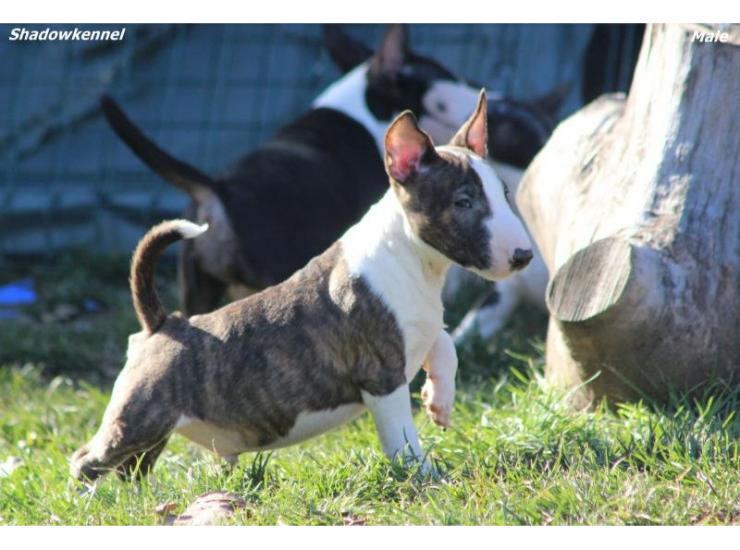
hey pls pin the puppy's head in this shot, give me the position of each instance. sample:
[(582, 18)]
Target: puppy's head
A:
[(452, 198), (398, 79)]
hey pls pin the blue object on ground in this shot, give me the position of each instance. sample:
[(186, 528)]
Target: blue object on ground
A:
[(91, 306), (18, 293)]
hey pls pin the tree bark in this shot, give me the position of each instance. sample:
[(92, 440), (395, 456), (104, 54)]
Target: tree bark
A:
[(634, 205)]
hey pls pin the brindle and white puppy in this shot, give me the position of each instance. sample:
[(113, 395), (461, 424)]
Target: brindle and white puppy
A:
[(346, 333)]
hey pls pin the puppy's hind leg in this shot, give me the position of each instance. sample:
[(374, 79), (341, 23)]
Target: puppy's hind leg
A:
[(119, 447), (139, 465), (132, 424)]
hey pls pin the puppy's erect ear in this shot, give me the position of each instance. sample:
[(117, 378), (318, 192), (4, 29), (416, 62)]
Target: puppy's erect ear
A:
[(473, 134), (345, 51), (391, 54), (407, 148)]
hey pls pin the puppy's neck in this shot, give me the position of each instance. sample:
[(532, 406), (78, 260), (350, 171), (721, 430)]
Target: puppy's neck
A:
[(404, 271)]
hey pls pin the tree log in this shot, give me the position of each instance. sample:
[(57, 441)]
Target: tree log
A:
[(633, 204)]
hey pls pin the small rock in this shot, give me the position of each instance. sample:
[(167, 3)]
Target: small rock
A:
[(350, 520), (210, 509)]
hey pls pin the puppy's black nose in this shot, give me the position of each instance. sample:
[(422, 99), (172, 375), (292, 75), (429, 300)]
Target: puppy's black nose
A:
[(521, 258)]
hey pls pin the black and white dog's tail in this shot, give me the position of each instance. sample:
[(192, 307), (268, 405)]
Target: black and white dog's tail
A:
[(148, 306), (182, 175)]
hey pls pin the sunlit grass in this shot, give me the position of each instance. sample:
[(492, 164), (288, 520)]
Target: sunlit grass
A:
[(515, 454)]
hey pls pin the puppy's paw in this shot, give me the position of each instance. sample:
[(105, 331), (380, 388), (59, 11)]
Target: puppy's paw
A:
[(423, 467), (77, 461), (428, 470), (438, 400), (83, 467)]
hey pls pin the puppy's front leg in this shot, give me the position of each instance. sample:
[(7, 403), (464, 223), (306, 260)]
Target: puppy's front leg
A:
[(395, 425), (438, 393)]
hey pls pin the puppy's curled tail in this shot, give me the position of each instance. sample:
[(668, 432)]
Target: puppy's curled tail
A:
[(149, 309)]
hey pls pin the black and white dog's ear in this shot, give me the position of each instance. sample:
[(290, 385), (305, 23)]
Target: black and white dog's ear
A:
[(345, 51), (473, 134), (407, 148), (391, 54)]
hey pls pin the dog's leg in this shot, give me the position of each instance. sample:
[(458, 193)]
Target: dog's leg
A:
[(131, 424), (438, 393), (141, 464), (395, 424), (113, 449)]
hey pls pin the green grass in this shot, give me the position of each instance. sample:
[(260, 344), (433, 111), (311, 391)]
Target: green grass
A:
[(516, 454)]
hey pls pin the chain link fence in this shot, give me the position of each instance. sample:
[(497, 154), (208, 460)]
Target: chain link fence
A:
[(207, 94)]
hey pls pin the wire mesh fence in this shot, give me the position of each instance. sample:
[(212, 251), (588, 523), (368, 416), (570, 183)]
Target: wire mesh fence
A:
[(207, 94)]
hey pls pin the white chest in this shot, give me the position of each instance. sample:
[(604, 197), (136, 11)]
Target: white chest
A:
[(382, 250)]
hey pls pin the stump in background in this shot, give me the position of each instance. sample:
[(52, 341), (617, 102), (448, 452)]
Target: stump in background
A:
[(634, 205)]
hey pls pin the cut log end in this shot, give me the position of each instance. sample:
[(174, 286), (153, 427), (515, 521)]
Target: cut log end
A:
[(591, 281)]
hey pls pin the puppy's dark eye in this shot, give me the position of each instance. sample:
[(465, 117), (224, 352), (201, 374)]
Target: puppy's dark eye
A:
[(441, 107), (463, 203)]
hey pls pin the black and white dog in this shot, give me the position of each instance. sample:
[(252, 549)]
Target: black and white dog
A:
[(290, 198)]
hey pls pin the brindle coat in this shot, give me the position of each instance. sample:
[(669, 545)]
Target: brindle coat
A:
[(311, 343)]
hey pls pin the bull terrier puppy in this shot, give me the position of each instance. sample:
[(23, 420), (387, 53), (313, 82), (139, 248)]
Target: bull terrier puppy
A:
[(345, 334)]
